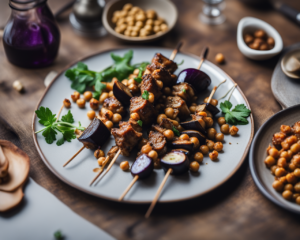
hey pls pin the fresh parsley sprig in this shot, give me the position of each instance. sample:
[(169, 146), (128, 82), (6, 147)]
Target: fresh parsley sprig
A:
[(176, 132), (140, 122), (145, 95), (142, 68), (52, 126), (236, 116)]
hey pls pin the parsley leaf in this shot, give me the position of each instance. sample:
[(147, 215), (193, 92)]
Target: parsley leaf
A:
[(178, 64), (184, 90), (142, 67), (58, 235), (145, 95), (237, 116), (176, 132), (52, 127), (140, 122)]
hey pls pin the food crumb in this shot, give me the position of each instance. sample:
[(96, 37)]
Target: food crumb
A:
[(230, 143), (205, 163)]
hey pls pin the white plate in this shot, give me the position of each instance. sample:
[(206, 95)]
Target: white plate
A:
[(79, 172)]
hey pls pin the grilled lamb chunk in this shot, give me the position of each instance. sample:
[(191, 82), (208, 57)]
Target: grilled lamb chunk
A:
[(178, 103), (144, 108), (114, 105), (184, 90), (157, 128), (133, 123), (162, 74), (167, 124), (162, 61), (126, 138), (158, 142), (149, 84)]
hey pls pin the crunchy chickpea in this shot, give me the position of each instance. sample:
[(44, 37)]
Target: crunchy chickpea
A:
[(103, 97), (204, 149), (210, 144), (211, 133), (127, 6), (279, 172), (143, 142), (292, 167), (254, 46), (109, 125), (283, 180), (184, 137), (160, 84), (192, 109), (124, 165), (17, 85), (220, 58), (169, 134), (225, 128), (91, 114), (116, 118), (99, 153), (287, 194), (163, 27), (146, 149), (271, 41), (219, 137), (233, 130), (218, 146), (156, 29), (273, 152), (101, 161), (125, 82), (259, 34), (291, 140), (282, 163), (295, 148), (169, 112), (273, 169), (209, 122), (67, 103), (291, 178), (151, 14), (270, 161), (133, 88), (297, 187), (278, 186), (75, 96), (198, 156), (248, 38), (87, 95), (111, 94), (284, 154), (297, 200), (135, 116), (161, 117), (151, 97), (221, 121), (297, 172), (196, 142), (204, 114), (289, 187), (153, 154), (80, 103), (213, 155), (167, 91), (194, 166), (94, 104)]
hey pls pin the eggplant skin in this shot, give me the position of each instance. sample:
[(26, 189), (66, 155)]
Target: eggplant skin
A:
[(197, 134), (178, 168), (214, 110), (95, 135), (193, 125), (184, 144), (122, 93), (147, 169)]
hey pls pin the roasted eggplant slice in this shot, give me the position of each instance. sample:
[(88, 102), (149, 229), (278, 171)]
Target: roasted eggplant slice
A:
[(184, 144), (193, 125), (122, 93), (95, 135), (209, 107), (143, 166), (177, 160), (197, 134)]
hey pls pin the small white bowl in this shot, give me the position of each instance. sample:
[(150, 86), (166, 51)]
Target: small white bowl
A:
[(250, 24)]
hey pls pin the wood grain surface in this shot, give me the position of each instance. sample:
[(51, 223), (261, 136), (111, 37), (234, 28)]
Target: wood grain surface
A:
[(236, 210)]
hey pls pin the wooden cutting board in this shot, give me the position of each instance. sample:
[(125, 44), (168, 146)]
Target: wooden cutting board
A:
[(286, 90)]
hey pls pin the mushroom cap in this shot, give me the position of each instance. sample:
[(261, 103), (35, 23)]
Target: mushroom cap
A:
[(19, 164), (10, 199)]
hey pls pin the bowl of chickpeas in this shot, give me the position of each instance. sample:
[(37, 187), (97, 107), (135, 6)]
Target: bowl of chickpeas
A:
[(257, 39), (274, 159), (139, 21)]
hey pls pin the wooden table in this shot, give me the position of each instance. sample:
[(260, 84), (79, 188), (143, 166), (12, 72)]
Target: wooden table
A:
[(236, 210)]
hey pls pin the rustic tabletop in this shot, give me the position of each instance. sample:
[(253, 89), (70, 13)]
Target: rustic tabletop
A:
[(236, 210)]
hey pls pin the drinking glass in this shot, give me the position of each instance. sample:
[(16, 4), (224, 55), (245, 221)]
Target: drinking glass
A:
[(212, 12)]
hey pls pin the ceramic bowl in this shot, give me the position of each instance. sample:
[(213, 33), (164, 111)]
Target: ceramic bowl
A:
[(165, 9), (261, 174), (250, 24), (284, 60)]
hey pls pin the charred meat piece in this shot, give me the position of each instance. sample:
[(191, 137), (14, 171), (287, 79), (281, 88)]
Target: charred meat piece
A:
[(144, 108), (167, 124), (157, 128), (158, 142), (133, 123), (277, 139), (184, 90), (114, 105), (178, 103), (149, 84), (126, 138), (162, 61), (162, 74), (95, 135)]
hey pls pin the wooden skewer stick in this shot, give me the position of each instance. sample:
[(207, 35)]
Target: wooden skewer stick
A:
[(79, 151), (203, 57), (59, 112), (175, 51), (101, 170), (129, 187), (213, 91), (158, 193)]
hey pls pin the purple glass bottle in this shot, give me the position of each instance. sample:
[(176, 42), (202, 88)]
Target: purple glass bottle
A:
[(31, 37)]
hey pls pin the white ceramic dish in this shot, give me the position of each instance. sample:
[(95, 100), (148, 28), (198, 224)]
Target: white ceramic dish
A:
[(79, 172), (250, 24)]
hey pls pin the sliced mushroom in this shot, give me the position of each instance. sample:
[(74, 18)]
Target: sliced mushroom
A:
[(3, 164), (10, 199), (19, 164)]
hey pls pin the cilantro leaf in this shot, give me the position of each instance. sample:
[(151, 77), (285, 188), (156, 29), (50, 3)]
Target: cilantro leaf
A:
[(237, 115), (184, 90), (140, 122), (142, 67), (58, 235), (176, 132), (82, 66), (145, 95), (68, 117), (45, 115)]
